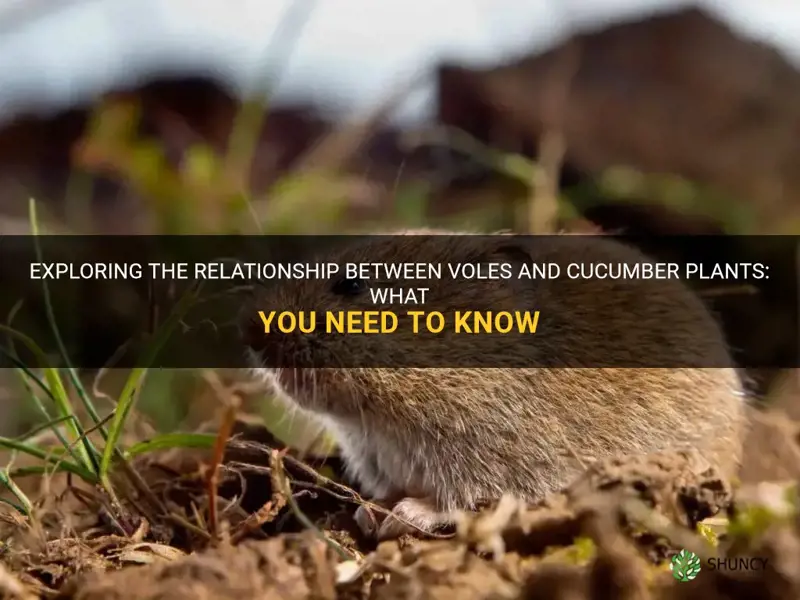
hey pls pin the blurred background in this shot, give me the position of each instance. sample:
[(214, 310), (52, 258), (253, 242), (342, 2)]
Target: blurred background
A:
[(298, 116)]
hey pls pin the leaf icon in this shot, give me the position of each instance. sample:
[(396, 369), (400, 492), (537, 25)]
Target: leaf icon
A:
[(685, 566)]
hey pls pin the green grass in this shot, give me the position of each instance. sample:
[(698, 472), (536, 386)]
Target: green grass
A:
[(88, 445), (75, 452), (85, 443)]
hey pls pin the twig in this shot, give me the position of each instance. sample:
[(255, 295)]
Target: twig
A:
[(324, 481), (352, 497), (91, 502), (179, 520), (232, 402), (282, 483), (266, 513), (348, 494)]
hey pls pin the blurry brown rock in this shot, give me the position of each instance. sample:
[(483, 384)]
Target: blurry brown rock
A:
[(677, 93)]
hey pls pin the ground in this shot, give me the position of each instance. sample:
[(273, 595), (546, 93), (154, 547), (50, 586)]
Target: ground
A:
[(610, 534)]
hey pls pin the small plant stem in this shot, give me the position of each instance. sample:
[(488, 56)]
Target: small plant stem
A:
[(232, 402), (25, 504), (76, 382), (59, 396), (132, 387), (37, 452), (26, 373)]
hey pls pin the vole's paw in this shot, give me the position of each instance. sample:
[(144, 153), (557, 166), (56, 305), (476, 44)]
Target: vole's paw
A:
[(413, 516), (368, 520)]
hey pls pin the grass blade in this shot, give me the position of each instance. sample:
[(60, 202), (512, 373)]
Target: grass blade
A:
[(128, 395), (169, 441), (51, 424), (59, 395), (14, 505), (25, 373), (25, 506), (36, 452), (73, 375)]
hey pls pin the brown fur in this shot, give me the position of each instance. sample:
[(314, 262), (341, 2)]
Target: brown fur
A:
[(458, 436)]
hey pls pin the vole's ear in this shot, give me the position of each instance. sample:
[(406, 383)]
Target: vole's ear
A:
[(509, 248), (514, 252)]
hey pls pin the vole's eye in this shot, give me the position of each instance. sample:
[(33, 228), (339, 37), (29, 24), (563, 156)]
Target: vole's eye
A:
[(349, 287)]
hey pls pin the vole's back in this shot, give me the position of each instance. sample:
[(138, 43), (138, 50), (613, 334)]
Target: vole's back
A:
[(466, 434), (461, 435)]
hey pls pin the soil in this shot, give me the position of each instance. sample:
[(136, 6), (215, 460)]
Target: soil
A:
[(284, 529)]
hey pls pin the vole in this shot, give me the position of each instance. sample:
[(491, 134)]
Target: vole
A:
[(430, 442)]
